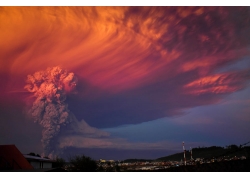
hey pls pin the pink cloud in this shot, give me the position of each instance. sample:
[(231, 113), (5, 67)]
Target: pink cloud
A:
[(218, 83), (119, 48)]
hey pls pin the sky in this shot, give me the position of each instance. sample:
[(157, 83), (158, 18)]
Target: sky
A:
[(124, 82)]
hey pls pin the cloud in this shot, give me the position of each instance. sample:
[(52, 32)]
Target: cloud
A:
[(219, 83), (195, 121), (143, 60), (114, 143), (129, 44)]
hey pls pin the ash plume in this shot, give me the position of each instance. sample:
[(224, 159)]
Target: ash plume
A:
[(50, 88)]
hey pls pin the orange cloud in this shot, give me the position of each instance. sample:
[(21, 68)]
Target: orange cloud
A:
[(88, 37), (218, 83), (119, 48)]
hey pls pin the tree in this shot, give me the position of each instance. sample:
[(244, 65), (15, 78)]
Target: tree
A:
[(59, 162), (32, 154), (82, 164), (233, 146)]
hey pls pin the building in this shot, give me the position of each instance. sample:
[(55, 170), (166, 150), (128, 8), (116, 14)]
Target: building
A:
[(39, 162), (12, 159)]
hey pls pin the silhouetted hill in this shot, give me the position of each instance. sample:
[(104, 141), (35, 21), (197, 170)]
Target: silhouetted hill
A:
[(210, 152)]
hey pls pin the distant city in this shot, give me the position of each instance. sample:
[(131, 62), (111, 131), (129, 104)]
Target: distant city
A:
[(205, 155)]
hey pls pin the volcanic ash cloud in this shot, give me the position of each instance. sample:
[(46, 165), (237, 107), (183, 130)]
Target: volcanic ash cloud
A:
[(50, 88)]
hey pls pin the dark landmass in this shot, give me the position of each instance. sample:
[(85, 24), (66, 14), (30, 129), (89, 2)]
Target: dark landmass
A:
[(210, 152), (204, 159), (202, 152)]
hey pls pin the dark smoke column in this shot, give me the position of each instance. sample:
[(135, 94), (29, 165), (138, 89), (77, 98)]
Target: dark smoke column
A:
[(49, 109)]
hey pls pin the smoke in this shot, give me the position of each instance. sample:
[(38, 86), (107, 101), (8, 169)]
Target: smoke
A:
[(50, 88)]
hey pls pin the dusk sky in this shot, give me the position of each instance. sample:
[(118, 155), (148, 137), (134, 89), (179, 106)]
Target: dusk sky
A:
[(124, 82)]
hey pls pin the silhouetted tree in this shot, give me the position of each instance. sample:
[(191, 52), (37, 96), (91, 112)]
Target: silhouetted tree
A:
[(32, 154), (233, 146), (82, 164), (59, 162)]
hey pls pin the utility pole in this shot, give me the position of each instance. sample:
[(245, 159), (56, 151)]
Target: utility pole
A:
[(191, 153), (184, 151)]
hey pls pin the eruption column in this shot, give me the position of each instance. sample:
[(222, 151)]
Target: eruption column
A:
[(50, 110)]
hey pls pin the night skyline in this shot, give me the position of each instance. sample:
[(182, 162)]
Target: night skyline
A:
[(136, 81)]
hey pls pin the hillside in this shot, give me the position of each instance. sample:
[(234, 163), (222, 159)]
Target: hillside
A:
[(210, 152)]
